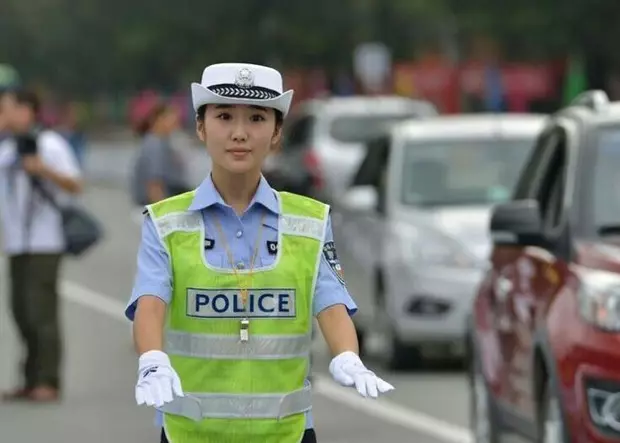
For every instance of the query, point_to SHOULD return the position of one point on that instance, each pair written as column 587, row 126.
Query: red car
column 544, row 334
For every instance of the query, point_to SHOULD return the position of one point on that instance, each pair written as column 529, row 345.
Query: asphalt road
column 100, row 367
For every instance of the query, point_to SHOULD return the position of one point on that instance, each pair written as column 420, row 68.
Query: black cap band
column 234, row 91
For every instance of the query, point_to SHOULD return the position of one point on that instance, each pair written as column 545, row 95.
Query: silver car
column 324, row 138
column 412, row 231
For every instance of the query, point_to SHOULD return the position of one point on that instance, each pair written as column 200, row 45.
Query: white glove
column 157, row 382
column 348, row 370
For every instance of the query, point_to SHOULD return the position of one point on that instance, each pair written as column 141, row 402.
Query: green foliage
column 92, row 46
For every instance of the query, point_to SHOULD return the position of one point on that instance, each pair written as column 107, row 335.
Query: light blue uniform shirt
column 153, row 271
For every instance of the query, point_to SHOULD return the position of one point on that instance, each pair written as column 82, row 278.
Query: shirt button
column 239, row 234
column 240, row 265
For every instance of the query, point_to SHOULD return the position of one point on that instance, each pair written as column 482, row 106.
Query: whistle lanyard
column 244, row 326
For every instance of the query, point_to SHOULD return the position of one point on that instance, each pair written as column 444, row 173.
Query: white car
column 324, row 138
column 412, row 232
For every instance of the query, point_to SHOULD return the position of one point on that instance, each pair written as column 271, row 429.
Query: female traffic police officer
column 233, row 272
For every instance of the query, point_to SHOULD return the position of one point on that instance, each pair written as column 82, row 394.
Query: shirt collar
column 207, row 195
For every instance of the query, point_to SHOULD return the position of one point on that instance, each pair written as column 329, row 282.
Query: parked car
column 412, row 231
column 545, row 327
column 324, row 141
column 296, row 177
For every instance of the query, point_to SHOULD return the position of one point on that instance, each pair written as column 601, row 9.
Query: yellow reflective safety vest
column 240, row 392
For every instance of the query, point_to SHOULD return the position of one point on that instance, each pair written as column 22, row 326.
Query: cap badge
column 245, row 78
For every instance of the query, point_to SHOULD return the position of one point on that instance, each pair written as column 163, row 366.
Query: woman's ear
column 277, row 136
column 200, row 130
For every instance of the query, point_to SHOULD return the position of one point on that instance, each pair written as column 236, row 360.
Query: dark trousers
column 309, row 437
column 34, row 303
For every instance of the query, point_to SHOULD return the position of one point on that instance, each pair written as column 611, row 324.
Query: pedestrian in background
column 159, row 170
column 35, row 165
column 70, row 129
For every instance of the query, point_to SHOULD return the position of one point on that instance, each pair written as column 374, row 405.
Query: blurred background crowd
column 97, row 63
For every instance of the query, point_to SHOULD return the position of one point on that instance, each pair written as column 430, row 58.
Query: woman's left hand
column 348, row 370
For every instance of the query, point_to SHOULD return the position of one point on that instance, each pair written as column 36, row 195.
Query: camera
column 26, row 144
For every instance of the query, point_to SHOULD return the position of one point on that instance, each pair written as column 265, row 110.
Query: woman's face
column 238, row 137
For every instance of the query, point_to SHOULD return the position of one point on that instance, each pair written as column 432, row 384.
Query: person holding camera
column 34, row 163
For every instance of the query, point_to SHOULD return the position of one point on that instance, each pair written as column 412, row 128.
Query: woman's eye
column 257, row 118
column 224, row 116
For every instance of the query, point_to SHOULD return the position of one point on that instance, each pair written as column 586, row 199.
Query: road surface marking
column 382, row 409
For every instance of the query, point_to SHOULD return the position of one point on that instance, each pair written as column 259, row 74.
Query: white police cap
column 241, row 84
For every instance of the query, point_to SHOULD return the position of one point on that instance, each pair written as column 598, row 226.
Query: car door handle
column 503, row 286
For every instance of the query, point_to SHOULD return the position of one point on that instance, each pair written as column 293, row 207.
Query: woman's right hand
column 158, row 383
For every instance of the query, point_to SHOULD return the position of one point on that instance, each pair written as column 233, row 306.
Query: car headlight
column 599, row 298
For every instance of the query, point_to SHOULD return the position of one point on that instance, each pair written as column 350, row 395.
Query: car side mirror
column 360, row 199
column 517, row 223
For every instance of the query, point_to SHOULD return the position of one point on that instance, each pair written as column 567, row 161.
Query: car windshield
column 361, row 128
column 472, row 172
column 606, row 181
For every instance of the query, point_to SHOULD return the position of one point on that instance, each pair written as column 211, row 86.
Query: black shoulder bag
column 82, row 231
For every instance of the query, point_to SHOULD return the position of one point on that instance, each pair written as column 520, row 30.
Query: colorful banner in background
column 435, row 81
column 469, row 87
column 475, row 86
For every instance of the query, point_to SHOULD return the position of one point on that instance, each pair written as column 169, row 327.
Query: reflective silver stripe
column 192, row 221
column 198, row 406
column 178, row 221
column 259, row 347
column 301, row 226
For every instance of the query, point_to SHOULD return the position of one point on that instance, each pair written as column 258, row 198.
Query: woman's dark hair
column 145, row 125
column 200, row 115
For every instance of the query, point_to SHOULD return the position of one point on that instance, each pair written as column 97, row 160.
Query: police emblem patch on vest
column 330, row 254
column 227, row 303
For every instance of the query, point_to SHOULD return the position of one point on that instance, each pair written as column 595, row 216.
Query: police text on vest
column 227, row 303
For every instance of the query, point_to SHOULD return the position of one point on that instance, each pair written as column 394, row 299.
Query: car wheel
column 400, row 356
column 395, row 355
column 551, row 425
column 483, row 419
